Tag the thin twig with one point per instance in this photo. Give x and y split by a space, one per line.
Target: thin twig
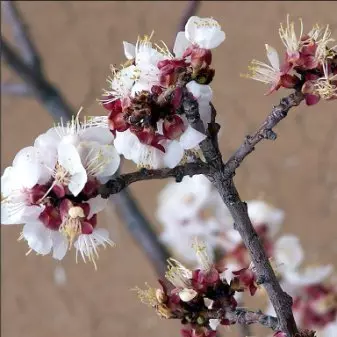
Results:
17 89
247 317
190 10
117 184
28 51
44 91
264 132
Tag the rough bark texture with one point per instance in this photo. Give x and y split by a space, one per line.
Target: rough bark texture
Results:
221 176
119 183
247 317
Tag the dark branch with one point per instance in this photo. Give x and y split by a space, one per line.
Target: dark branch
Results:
264 132
28 51
221 176
117 184
248 317
141 231
45 92
191 9
17 89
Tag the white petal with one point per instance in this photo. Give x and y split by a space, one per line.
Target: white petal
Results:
96 204
38 237
49 140
98 134
69 158
204 32
273 57
191 138
60 245
173 154
28 167
205 112
310 275
200 91
147 156
8 181
228 273
262 213
77 182
180 45
125 143
330 330
129 50
288 251
112 161
214 323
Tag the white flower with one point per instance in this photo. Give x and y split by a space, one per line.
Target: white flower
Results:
261 213
309 276
265 73
145 72
289 38
120 83
87 244
188 196
30 167
288 252
204 32
179 239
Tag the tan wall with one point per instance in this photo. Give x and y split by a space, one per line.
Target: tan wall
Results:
78 40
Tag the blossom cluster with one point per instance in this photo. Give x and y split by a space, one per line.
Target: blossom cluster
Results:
144 98
52 188
201 298
309 65
193 209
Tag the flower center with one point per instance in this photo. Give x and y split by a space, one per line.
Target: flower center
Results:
72 226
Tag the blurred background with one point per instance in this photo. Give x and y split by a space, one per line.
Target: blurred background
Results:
78 40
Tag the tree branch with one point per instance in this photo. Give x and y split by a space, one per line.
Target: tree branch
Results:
191 9
117 184
264 132
248 317
18 89
44 91
28 51
221 176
